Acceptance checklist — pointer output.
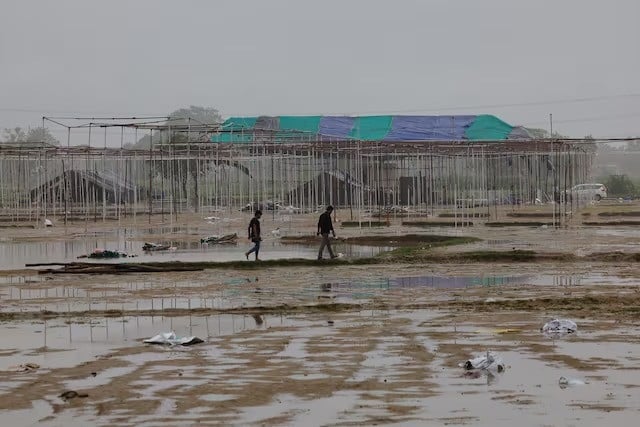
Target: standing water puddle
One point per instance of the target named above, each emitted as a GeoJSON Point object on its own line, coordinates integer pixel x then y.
{"type": "Point", "coordinates": [14, 255]}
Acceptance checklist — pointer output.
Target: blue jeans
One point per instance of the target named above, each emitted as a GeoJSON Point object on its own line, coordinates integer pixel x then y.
{"type": "Point", "coordinates": [255, 249]}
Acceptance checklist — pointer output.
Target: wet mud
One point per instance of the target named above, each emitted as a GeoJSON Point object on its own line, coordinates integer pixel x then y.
{"type": "Point", "coordinates": [331, 344]}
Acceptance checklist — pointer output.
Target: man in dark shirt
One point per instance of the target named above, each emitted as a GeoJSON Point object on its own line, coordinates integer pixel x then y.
{"type": "Point", "coordinates": [254, 235]}
{"type": "Point", "coordinates": [324, 228]}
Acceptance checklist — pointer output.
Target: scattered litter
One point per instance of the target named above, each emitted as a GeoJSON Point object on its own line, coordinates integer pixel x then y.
{"type": "Point", "coordinates": [559, 327]}
{"type": "Point", "coordinates": [170, 338]}
{"type": "Point", "coordinates": [105, 253]}
{"type": "Point", "coordinates": [71, 394]}
{"type": "Point", "coordinates": [218, 240]}
{"type": "Point", "coordinates": [153, 247]}
{"type": "Point", "coordinates": [48, 223]}
{"type": "Point", "coordinates": [276, 233]}
{"type": "Point", "coordinates": [24, 367]}
{"type": "Point", "coordinates": [565, 382]}
{"type": "Point", "coordinates": [490, 300]}
{"type": "Point", "coordinates": [487, 362]}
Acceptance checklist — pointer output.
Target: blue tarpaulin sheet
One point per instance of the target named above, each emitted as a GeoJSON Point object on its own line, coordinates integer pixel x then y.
{"type": "Point", "coordinates": [336, 126]}
{"type": "Point", "coordinates": [416, 128]}
{"type": "Point", "coordinates": [364, 128]}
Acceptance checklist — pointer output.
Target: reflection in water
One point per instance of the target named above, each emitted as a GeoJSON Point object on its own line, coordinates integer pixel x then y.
{"type": "Point", "coordinates": [359, 288]}
{"type": "Point", "coordinates": [17, 254]}
{"type": "Point", "coordinates": [69, 333]}
{"type": "Point", "coordinates": [29, 294]}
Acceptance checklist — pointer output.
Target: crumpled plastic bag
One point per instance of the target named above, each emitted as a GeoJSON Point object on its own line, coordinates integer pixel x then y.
{"type": "Point", "coordinates": [487, 362]}
{"type": "Point", "coordinates": [559, 327]}
{"type": "Point", "coordinates": [170, 338]}
{"type": "Point", "coordinates": [565, 382]}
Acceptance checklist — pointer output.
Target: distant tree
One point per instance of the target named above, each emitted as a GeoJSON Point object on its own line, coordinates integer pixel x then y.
{"type": "Point", "coordinates": [14, 135]}
{"type": "Point", "coordinates": [633, 146]}
{"type": "Point", "coordinates": [201, 115]}
{"type": "Point", "coordinates": [38, 134]}
{"type": "Point", "coordinates": [198, 115]}
{"type": "Point", "coordinates": [619, 186]}
{"type": "Point", "coordinates": [606, 148]}
{"type": "Point", "coordinates": [539, 133]}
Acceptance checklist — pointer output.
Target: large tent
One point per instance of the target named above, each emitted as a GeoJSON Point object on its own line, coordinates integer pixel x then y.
{"type": "Point", "coordinates": [368, 128]}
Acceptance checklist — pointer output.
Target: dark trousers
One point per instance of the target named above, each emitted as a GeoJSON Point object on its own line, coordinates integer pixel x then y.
{"type": "Point", "coordinates": [325, 242]}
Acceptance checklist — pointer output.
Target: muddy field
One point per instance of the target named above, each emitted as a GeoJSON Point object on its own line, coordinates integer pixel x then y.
{"type": "Point", "coordinates": [325, 343]}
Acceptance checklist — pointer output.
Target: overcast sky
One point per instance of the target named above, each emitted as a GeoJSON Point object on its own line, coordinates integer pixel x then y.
{"type": "Point", "coordinates": [517, 59]}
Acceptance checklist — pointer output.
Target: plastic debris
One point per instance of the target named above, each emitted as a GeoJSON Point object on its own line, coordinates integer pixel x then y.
{"type": "Point", "coordinates": [153, 247]}
{"type": "Point", "coordinates": [25, 367]}
{"type": "Point", "coordinates": [48, 223]}
{"type": "Point", "coordinates": [559, 327]}
{"type": "Point", "coordinates": [276, 233]}
{"type": "Point", "coordinates": [71, 394]}
{"type": "Point", "coordinates": [488, 362]}
{"type": "Point", "coordinates": [170, 338]}
{"type": "Point", "coordinates": [105, 253]}
{"type": "Point", "coordinates": [565, 382]}
{"type": "Point", "coordinates": [218, 240]}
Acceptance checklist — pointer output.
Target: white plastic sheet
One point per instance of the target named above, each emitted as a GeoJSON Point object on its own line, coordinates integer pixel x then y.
{"type": "Point", "coordinates": [170, 338]}
{"type": "Point", "coordinates": [559, 327]}
{"type": "Point", "coordinates": [488, 362]}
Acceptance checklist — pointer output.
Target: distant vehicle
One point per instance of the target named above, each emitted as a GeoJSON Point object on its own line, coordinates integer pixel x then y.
{"type": "Point", "coordinates": [587, 192]}
{"type": "Point", "coordinates": [392, 209]}
{"type": "Point", "coordinates": [266, 206]}
{"type": "Point", "coordinates": [289, 209]}
{"type": "Point", "coordinates": [252, 207]}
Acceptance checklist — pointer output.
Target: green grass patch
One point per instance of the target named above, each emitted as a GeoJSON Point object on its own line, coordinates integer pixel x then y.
{"type": "Point", "coordinates": [437, 223]}
{"type": "Point", "coordinates": [365, 224]}
{"type": "Point", "coordinates": [493, 256]}
{"type": "Point", "coordinates": [516, 224]}
{"type": "Point", "coordinates": [621, 213]}
{"type": "Point", "coordinates": [610, 223]}
{"type": "Point", "coordinates": [530, 214]}
{"type": "Point", "coordinates": [467, 215]}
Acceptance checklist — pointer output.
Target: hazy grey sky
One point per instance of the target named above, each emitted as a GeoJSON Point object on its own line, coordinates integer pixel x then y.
{"type": "Point", "coordinates": [577, 59]}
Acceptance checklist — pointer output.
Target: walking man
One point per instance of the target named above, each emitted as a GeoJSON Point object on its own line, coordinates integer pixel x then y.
{"type": "Point", "coordinates": [254, 235]}
{"type": "Point", "coordinates": [324, 228]}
